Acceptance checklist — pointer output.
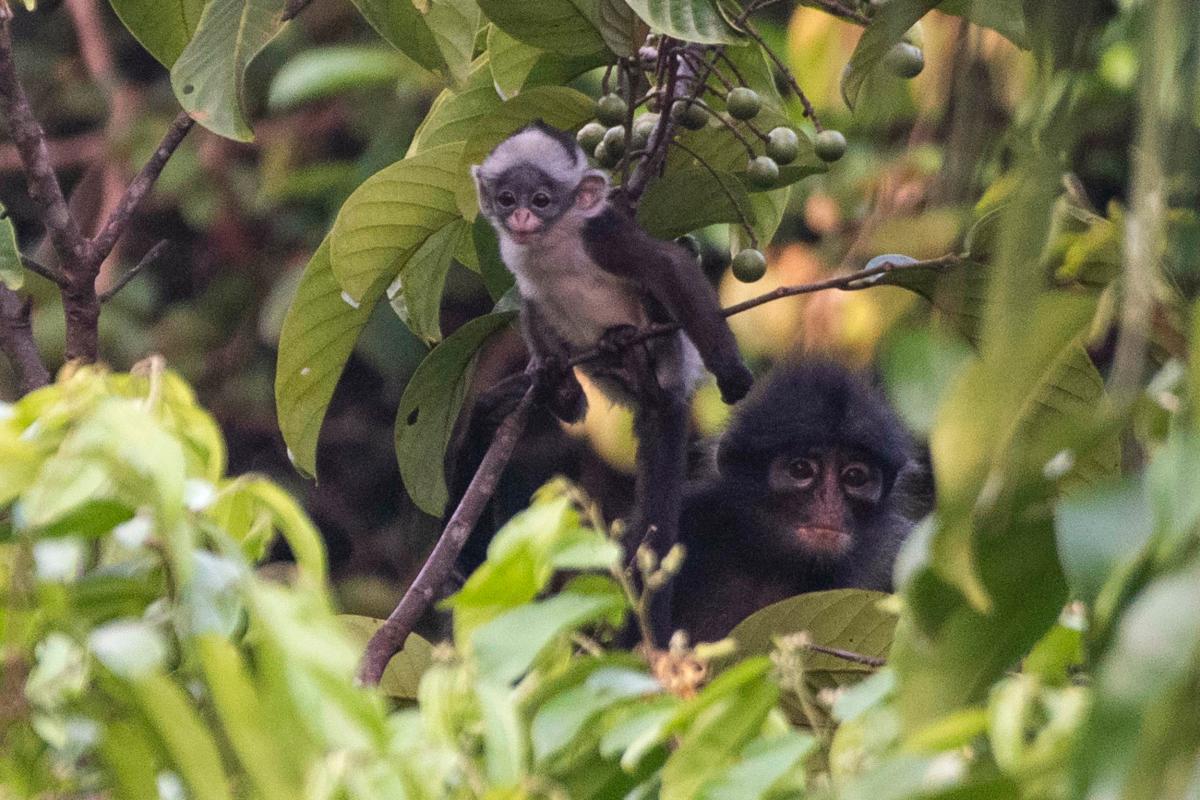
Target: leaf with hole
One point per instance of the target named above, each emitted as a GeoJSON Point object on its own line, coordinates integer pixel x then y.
{"type": "Point", "coordinates": [209, 75]}
{"type": "Point", "coordinates": [430, 407]}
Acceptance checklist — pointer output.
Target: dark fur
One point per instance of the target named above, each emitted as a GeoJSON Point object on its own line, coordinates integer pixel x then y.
{"type": "Point", "coordinates": [736, 563]}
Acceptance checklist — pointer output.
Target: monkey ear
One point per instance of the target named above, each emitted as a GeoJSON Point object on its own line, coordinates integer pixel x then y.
{"type": "Point", "coordinates": [485, 200]}
{"type": "Point", "coordinates": [592, 191]}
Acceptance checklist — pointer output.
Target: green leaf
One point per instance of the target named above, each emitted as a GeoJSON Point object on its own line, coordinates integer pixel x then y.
{"type": "Point", "coordinates": [403, 26]}
{"type": "Point", "coordinates": [888, 26]}
{"type": "Point", "coordinates": [504, 738]}
{"type": "Point", "coordinates": [1006, 17]}
{"type": "Point", "coordinates": [846, 619]}
{"type": "Point", "coordinates": [516, 65]}
{"type": "Point", "coordinates": [570, 27]}
{"type": "Point", "coordinates": [318, 335]}
{"type": "Point", "coordinates": [454, 24]}
{"type": "Point", "coordinates": [506, 647]}
{"type": "Point", "coordinates": [289, 518]}
{"type": "Point", "coordinates": [564, 716]}
{"type": "Point", "coordinates": [454, 114]}
{"type": "Point", "coordinates": [416, 294]}
{"type": "Point", "coordinates": [429, 409]}
{"type": "Point", "coordinates": [1098, 530]}
{"type": "Point", "coordinates": [688, 199]}
{"type": "Point", "coordinates": [163, 30]}
{"type": "Point", "coordinates": [330, 71]}
{"type": "Point", "coordinates": [559, 106]}
{"type": "Point", "coordinates": [390, 215]}
{"type": "Point", "coordinates": [622, 29]}
{"type": "Point", "coordinates": [209, 75]}
{"type": "Point", "coordinates": [919, 368]}
{"type": "Point", "coordinates": [12, 272]}
{"type": "Point", "coordinates": [402, 677]}
{"type": "Point", "coordinates": [760, 766]}
{"type": "Point", "coordinates": [690, 20]}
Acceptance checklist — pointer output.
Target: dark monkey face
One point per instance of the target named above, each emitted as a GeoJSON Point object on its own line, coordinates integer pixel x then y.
{"type": "Point", "coordinates": [819, 499]}
{"type": "Point", "coordinates": [527, 202]}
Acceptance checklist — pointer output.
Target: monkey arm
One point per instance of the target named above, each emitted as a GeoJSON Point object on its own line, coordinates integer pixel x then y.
{"type": "Point", "coordinates": [558, 388]}
{"type": "Point", "coordinates": [673, 278]}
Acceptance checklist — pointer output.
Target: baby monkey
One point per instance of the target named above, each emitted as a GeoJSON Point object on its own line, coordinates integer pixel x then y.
{"type": "Point", "coordinates": [590, 277]}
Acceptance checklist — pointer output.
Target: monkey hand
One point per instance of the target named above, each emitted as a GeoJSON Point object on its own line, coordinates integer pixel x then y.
{"type": "Point", "coordinates": [556, 387]}
{"type": "Point", "coordinates": [616, 340]}
{"type": "Point", "coordinates": [734, 382]}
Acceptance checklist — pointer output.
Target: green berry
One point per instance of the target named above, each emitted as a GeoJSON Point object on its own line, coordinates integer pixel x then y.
{"type": "Point", "coordinates": [763, 172]}
{"type": "Point", "coordinates": [830, 145]}
{"type": "Point", "coordinates": [590, 135]}
{"type": "Point", "coordinates": [690, 115]}
{"type": "Point", "coordinates": [611, 110]}
{"type": "Point", "coordinates": [643, 128]}
{"type": "Point", "coordinates": [743, 103]}
{"type": "Point", "coordinates": [614, 141]}
{"type": "Point", "coordinates": [904, 60]}
{"type": "Point", "coordinates": [783, 145]}
{"type": "Point", "coordinates": [749, 265]}
{"type": "Point", "coordinates": [605, 158]}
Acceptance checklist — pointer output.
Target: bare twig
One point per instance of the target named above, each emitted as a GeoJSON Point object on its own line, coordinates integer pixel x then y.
{"type": "Point", "coordinates": [809, 111]}
{"type": "Point", "coordinates": [47, 272]}
{"type": "Point", "coordinates": [16, 340]}
{"type": "Point", "coordinates": [390, 637]}
{"type": "Point", "coordinates": [846, 655]}
{"type": "Point", "coordinates": [745, 220]}
{"type": "Point", "coordinates": [103, 242]}
{"type": "Point", "coordinates": [152, 255]}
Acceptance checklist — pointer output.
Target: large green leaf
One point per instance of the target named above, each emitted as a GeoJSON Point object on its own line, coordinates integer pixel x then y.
{"type": "Point", "coordinates": [416, 294]}
{"type": "Point", "coordinates": [390, 215]}
{"type": "Point", "coordinates": [516, 65]}
{"type": "Point", "coordinates": [559, 106]}
{"type": "Point", "coordinates": [570, 27]}
{"type": "Point", "coordinates": [622, 29]}
{"type": "Point", "coordinates": [164, 29]}
{"type": "Point", "coordinates": [889, 24]}
{"type": "Point", "coordinates": [690, 20]}
{"type": "Point", "coordinates": [454, 24]}
{"type": "Point", "coordinates": [12, 273]}
{"type": "Point", "coordinates": [454, 114]}
{"type": "Point", "coordinates": [692, 198]}
{"type": "Point", "coordinates": [1006, 17]}
{"type": "Point", "coordinates": [403, 26]}
{"type": "Point", "coordinates": [846, 619]}
{"type": "Point", "coordinates": [323, 72]}
{"type": "Point", "coordinates": [209, 75]}
{"type": "Point", "coordinates": [430, 407]}
{"type": "Point", "coordinates": [318, 335]}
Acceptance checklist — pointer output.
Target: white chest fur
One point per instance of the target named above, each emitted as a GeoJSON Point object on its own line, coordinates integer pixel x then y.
{"type": "Point", "coordinates": [572, 293]}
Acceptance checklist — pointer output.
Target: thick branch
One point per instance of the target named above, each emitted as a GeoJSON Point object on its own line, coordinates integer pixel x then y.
{"type": "Point", "coordinates": [16, 340]}
{"type": "Point", "coordinates": [390, 638]}
{"type": "Point", "coordinates": [138, 188]}
{"type": "Point", "coordinates": [30, 141]}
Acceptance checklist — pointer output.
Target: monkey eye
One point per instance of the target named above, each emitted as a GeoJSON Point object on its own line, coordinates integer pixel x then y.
{"type": "Point", "coordinates": [856, 476]}
{"type": "Point", "coordinates": [802, 470]}
{"type": "Point", "coordinates": [541, 200]}
{"type": "Point", "coordinates": [506, 199]}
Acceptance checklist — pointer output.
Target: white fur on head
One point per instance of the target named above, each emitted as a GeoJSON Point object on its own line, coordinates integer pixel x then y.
{"type": "Point", "coordinates": [535, 146]}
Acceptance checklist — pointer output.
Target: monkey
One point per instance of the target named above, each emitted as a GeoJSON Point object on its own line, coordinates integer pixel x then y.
{"type": "Point", "coordinates": [590, 277]}
{"type": "Point", "coordinates": [817, 486]}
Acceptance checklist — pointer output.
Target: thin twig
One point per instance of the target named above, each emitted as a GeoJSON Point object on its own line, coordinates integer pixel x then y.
{"type": "Point", "coordinates": [102, 244]}
{"type": "Point", "coordinates": [16, 340]}
{"type": "Point", "coordinates": [746, 225]}
{"type": "Point", "coordinates": [846, 655]}
{"type": "Point", "coordinates": [809, 111]}
{"type": "Point", "coordinates": [152, 255]}
{"type": "Point", "coordinates": [47, 272]}
{"type": "Point", "coordinates": [390, 637]}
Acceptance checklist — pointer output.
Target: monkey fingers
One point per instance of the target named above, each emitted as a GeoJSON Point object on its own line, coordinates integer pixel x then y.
{"type": "Point", "coordinates": [557, 388]}
{"type": "Point", "coordinates": [616, 340]}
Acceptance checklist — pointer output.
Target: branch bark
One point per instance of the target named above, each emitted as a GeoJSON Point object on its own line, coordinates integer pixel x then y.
{"type": "Point", "coordinates": [16, 340]}
{"type": "Point", "coordinates": [390, 638]}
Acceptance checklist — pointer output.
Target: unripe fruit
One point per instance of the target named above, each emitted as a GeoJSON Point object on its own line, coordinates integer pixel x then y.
{"type": "Point", "coordinates": [830, 145]}
{"type": "Point", "coordinates": [749, 265]}
{"type": "Point", "coordinates": [643, 128]}
{"type": "Point", "coordinates": [904, 60]}
{"type": "Point", "coordinates": [604, 158]}
{"type": "Point", "coordinates": [743, 103]}
{"type": "Point", "coordinates": [590, 135]}
{"type": "Point", "coordinates": [614, 141]}
{"type": "Point", "coordinates": [611, 109]}
{"type": "Point", "coordinates": [690, 115]}
{"type": "Point", "coordinates": [783, 145]}
{"type": "Point", "coordinates": [763, 172]}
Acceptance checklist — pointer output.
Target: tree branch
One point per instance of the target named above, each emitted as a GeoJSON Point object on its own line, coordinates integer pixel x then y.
{"type": "Point", "coordinates": [390, 638]}
{"type": "Point", "coordinates": [152, 255]}
{"type": "Point", "coordinates": [138, 188]}
{"type": "Point", "coordinates": [16, 340]}
{"type": "Point", "coordinates": [47, 272]}
{"type": "Point", "coordinates": [846, 655]}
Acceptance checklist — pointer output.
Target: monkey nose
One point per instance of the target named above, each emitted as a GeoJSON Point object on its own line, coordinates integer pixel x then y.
{"type": "Point", "coordinates": [523, 221]}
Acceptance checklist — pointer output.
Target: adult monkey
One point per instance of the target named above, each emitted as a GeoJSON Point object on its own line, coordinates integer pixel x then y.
{"type": "Point", "coordinates": [817, 486]}
{"type": "Point", "coordinates": [590, 277]}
